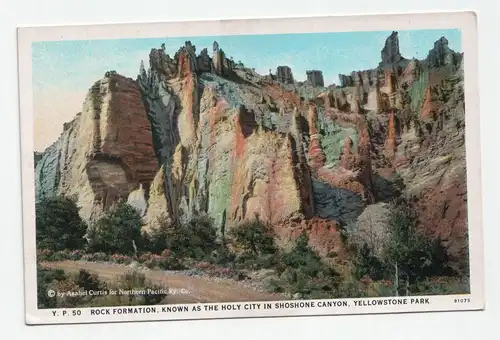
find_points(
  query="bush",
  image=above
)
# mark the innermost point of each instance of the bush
(118, 231)
(59, 256)
(166, 262)
(58, 281)
(254, 242)
(366, 264)
(68, 300)
(156, 240)
(441, 286)
(96, 257)
(58, 224)
(121, 259)
(411, 253)
(46, 278)
(408, 259)
(302, 272)
(134, 280)
(43, 255)
(196, 239)
(89, 281)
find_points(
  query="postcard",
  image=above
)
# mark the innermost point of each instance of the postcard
(251, 168)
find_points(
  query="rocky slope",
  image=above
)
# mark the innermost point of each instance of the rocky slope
(196, 133)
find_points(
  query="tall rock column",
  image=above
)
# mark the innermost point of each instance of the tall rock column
(316, 154)
(284, 75)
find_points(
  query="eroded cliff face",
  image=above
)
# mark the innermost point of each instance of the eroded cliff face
(105, 153)
(198, 134)
(419, 147)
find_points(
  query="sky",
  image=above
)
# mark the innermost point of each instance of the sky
(63, 71)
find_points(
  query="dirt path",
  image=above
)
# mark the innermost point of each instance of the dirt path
(194, 289)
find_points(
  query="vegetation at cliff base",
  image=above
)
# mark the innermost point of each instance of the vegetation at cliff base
(302, 272)
(118, 231)
(255, 244)
(408, 258)
(410, 263)
(85, 282)
(58, 224)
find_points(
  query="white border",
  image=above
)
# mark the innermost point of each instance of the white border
(465, 21)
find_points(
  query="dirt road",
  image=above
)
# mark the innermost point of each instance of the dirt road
(191, 289)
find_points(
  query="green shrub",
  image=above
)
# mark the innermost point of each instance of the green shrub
(134, 280)
(43, 255)
(89, 281)
(156, 241)
(254, 243)
(118, 231)
(302, 272)
(59, 256)
(46, 278)
(411, 253)
(58, 224)
(409, 256)
(366, 264)
(197, 238)
(96, 257)
(121, 259)
(441, 286)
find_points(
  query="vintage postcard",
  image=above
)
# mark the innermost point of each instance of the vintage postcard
(247, 168)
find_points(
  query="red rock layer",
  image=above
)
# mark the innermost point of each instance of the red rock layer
(443, 213)
(341, 178)
(183, 66)
(324, 236)
(125, 131)
(238, 172)
(316, 154)
(427, 110)
(287, 99)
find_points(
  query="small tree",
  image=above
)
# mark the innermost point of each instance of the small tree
(410, 254)
(156, 241)
(89, 281)
(367, 264)
(58, 224)
(118, 231)
(46, 278)
(305, 273)
(253, 237)
(253, 242)
(196, 239)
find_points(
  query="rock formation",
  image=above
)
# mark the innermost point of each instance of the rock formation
(345, 80)
(390, 54)
(105, 153)
(221, 65)
(315, 78)
(284, 75)
(194, 135)
(442, 56)
(204, 61)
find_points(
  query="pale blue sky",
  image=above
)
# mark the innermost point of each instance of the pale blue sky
(64, 70)
(77, 64)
